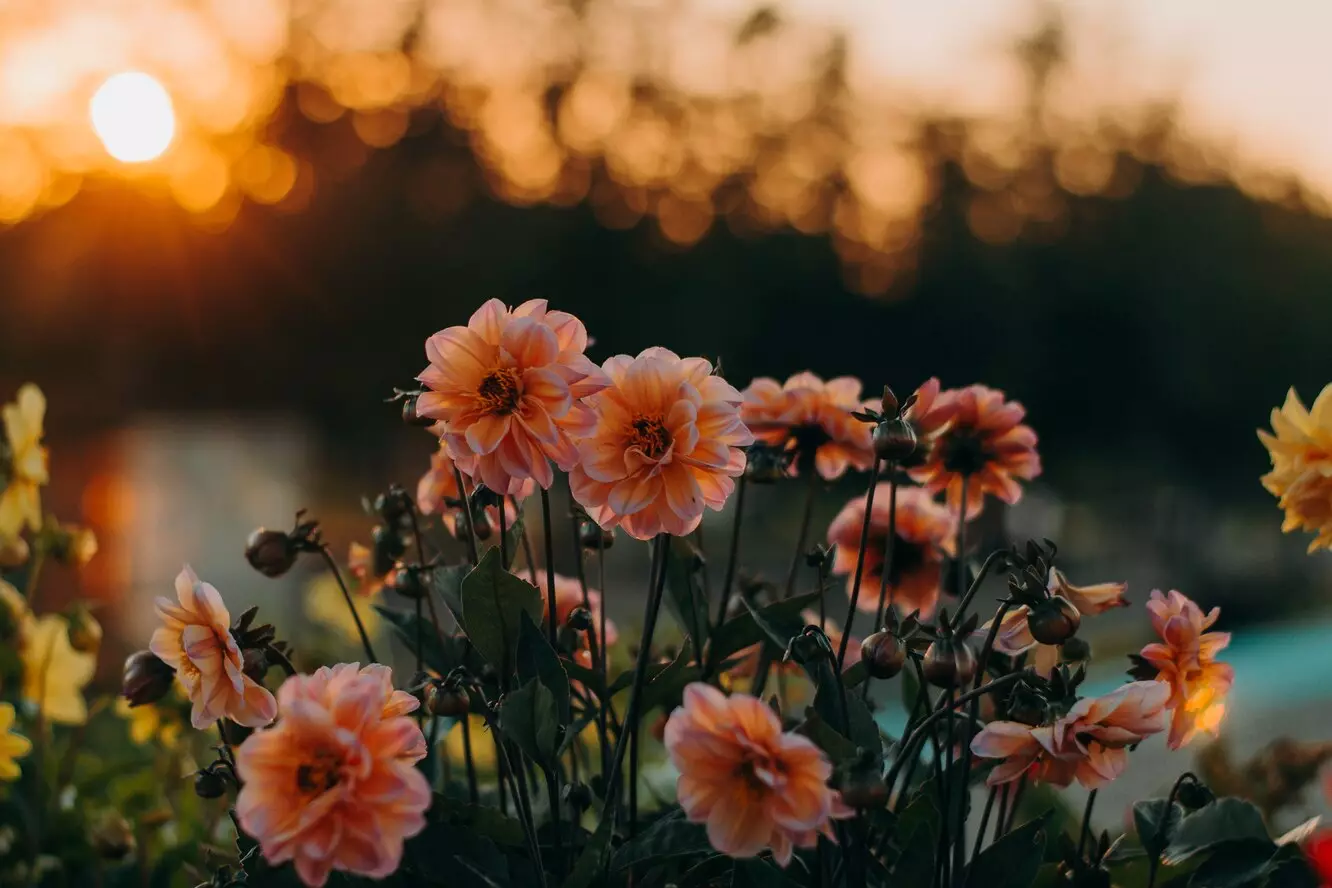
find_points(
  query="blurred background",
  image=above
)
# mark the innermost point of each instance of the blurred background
(227, 227)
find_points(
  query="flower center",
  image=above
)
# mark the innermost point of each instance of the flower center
(320, 773)
(965, 451)
(499, 391)
(761, 776)
(650, 434)
(907, 558)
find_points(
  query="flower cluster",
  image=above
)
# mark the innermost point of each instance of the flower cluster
(1187, 664)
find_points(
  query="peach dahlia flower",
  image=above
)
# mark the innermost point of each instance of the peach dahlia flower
(666, 444)
(1301, 476)
(1088, 744)
(984, 440)
(333, 785)
(195, 640)
(807, 412)
(506, 390)
(924, 534)
(1186, 663)
(753, 785)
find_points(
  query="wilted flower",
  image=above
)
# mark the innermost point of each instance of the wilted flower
(332, 786)
(1301, 476)
(985, 442)
(54, 674)
(12, 746)
(814, 418)
(666, 443)
(753, 785)
(1186, 663)
(924, 534)
(196, 641)
(23, 462)
(1088, 744)
(507, 389)
(1015, 635)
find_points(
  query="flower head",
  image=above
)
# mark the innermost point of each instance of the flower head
(985, 442)
(813, 418)
(1088, 744)
(753, 785)
(54, 673)
(1014, 636)
(12, 746)
(1186, 662)
(332, 786)
(23, 463)
(924, 534)
(507, 390)
(1301, 476)
(195, 640)
(665, 444)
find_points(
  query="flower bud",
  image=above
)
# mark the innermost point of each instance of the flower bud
(14, 552)
(388, 547)
(883, 655)
(446, 701)
(147, 679)
(865, 790)
(1054, 620)
(593, 537)
(894, 440)
(208, 784)
(85, 633)
(579, 619)
(1028, 707)
(393, 506)
(413, 416)
(1194, 795)
(949, 663)
(271, 552)
(73, 546)
(409, 583)
(111, 836)
(578, 796)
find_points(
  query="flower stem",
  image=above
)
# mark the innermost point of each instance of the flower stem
(603, 702)
(551, 628)
(810, 491)
(346, 596)
(657, 581)
(1017, 801)
(1086, 822)
(992, 559)
(467, 507)
(888, 552)
(596, 639)
(860, 566)
(985, 820)
(1003, 812)
(473, 795)
(527, 541)
(1154, 861)
(34, 573)
(733, 555)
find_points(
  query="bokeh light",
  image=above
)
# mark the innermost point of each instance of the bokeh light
(133, 116)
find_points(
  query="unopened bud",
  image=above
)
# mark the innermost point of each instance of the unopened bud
(388, 547)
(85, 633)
(1054, 620)
(883, 655)
(393, 505)
(894, 440)
(578, 796)
(446, 701)
(208, 784)
(409, 583)
(14, 552)
(73, 546)
(1028, 707)
(271, 552)
(890, 404)
(147, 678)
(949, 663)
(579, 619)
(413, 416)
(1194, 795)
(593, 537)
(865, 790)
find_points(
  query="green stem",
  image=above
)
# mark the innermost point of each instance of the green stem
(1086, 823)
(732, 556)
(860, 566)
(810, 490)
(346, 596)
(889, 550)
(552, 629)
(467, 507)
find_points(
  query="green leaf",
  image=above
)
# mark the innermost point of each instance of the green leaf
(587, 871)
(1155, 824)
(538, 660)
(863, 732)
(670, 836)
(529, 718)
(706, 872)
(440, 654)
(1235, 865)
(493, 600)
(1219, 822)
(448, 583)
(684, 587)
(482, 820)
(838, 748)
(742, 631)
(1013, 861)
(779, 627)
(916, 835)
(513, 540)
(667, 686)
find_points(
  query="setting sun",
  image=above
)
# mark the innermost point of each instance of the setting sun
(132, 115)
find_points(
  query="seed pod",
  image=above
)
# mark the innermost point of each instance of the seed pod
(949, 663)
(271, 552)
(1054, 620)
(208, 784)
(883, 655)
(894, 440)
(595, 538)
(147, 678)
(449, 702)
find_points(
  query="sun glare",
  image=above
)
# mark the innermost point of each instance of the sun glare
(132, 114)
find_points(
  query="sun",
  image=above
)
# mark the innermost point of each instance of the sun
(131, 113)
